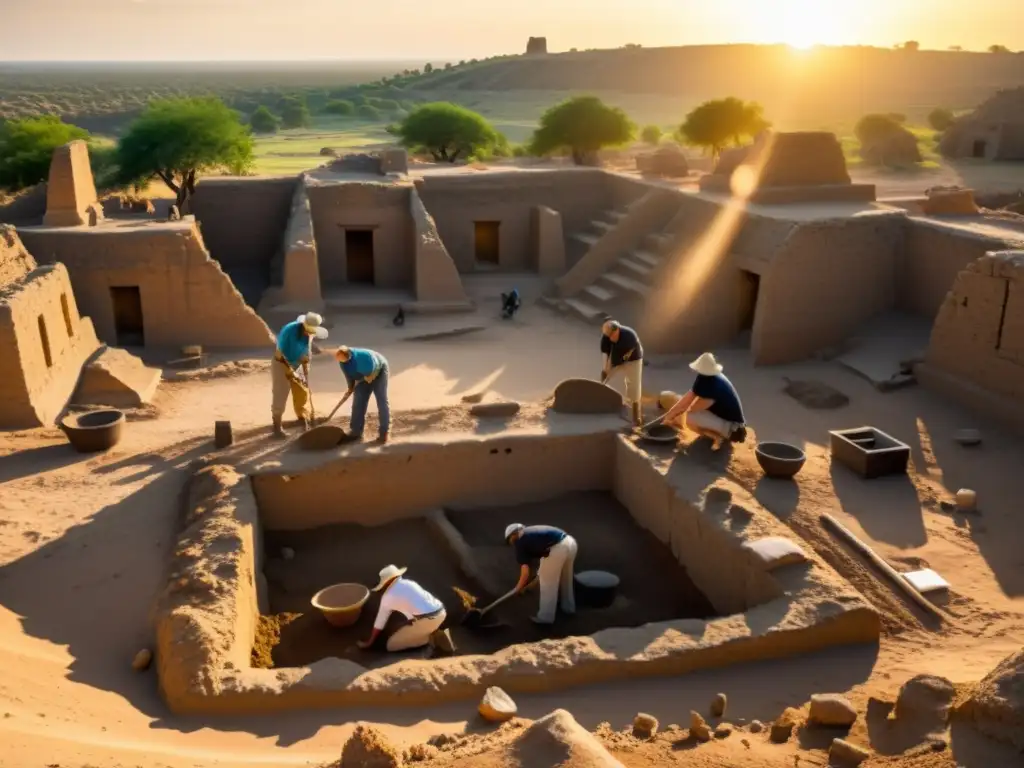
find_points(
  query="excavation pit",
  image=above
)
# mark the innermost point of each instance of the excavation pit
(691, 595)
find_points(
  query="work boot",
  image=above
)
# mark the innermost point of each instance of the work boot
(279, 432)
(382, 438)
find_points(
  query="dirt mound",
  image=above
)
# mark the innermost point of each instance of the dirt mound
(896, 149)
(558, 741)
(116, 378)
(367, 748)
(996, 704)
(586, 396)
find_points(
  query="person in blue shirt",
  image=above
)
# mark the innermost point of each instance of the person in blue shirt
(623, 353)
(366, 372)
(292, 353)
(510, 303)
(553, 551)
(712, 408)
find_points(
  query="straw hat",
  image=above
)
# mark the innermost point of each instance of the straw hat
(706, 365)
(514, 528)
(313, 323)
(388, 574)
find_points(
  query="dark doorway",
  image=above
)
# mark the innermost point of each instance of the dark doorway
(359, 255)
(487, 239)
(128, 325)
(979, 148)
(750, 284)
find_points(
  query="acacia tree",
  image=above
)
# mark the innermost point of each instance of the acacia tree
(651, 134)
(176, 139)
(714, 124)
(447, 131)
(583, 125)
(26, 148)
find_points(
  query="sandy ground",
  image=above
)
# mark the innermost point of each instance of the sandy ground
(83, 542)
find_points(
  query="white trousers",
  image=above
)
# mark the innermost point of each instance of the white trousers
(632, 374)
(555, 575)
(708, 422)
(415, 635)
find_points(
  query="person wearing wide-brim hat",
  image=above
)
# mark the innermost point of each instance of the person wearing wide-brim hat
(293, 351)
(712, 408)
(424, 614)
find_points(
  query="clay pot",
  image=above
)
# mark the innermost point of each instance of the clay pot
(95, 431)
(780, 460)
(341, 604)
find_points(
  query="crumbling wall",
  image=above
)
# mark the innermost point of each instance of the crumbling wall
(549, 241)
(24, 209)
(15, 261)
(382, 207)
(186, 296)
(824, 282)
(933, 254)
(978, 336)
(71, 199)
(437, 279)
(456, 201)
(243, 219)
(297, 271)
(43, 343)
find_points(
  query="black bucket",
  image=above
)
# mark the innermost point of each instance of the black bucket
(596, 589)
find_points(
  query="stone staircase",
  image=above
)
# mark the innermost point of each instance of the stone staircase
(581, 242)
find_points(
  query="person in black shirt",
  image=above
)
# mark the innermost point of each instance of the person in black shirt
(554, 551)
(623, 353)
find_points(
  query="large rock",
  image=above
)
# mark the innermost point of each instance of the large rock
(667, 161)
(116, 378)
(368, 748)
(996, 704)
(925, 697)
(844, 753)
(586, 396)
(557, 741)
(497, 706)
(831, 709)
(495, 410)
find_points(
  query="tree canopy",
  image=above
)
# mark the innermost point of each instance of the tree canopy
(651, 134)
(175, 139)
(342, 107)
(874, 128)
(295, 113)
(714, 124)
(264, 121)
(583, 125)
(447, 131)
(940, 118)
(26, 148)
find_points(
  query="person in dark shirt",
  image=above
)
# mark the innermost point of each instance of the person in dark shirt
(712, 408)
(554, 551)
(510, 303)
(623, 353)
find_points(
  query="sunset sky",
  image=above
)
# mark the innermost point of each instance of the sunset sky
(440, 30)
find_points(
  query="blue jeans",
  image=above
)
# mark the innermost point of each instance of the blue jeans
(361, 401)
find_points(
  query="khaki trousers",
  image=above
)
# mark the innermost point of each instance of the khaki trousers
(284, 382)
(632, 372)
(415, 634)
(555, 574)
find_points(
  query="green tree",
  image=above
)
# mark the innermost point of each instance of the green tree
(263, 120)
(875, 128)
(447, 131)
(369, 112)
(940, 118)
(998, 49)
(583, 125)
(295, 112)
(715, 123)
(342, 107)
(26, 148)
(428, 68)
(651, 134)
(176, 139)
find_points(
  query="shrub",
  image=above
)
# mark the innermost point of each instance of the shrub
(342, 107)
(651, 134)
(940, 118)
(263, 121)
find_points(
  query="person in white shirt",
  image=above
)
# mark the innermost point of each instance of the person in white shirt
(424, 612)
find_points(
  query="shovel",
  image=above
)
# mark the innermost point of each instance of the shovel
(341, 402)
(474, 616)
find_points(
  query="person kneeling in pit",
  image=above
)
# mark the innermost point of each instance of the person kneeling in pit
(424, 614)
(711, 408)
(556, 551)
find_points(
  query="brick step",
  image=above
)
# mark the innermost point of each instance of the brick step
(585, 311)
(636, 269)
(598, 293)
(646, 257)
(626, 284)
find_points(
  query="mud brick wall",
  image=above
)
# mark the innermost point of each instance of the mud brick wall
(186, 296)
(15, 261)
(456, 202)
(243, 220)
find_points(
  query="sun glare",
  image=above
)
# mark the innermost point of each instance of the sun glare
(801, 24)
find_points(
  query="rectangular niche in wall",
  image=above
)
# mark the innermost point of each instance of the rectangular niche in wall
(486, 239)
(359, 256)
(66, 311)
(128, 324)
(44, 339)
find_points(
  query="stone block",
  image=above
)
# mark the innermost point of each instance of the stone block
(71, 199)
(586, 396)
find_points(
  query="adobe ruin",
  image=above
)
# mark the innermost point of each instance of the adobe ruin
(994, 131)
(71, 199)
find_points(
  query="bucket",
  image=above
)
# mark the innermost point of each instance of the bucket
(596, 589)
(341, 604)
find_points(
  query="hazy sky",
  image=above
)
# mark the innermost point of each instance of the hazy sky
(440, 30)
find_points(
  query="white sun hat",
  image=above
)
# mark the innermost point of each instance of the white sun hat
(313, 323)
(388, 573)
(514, 528)
(706, 365)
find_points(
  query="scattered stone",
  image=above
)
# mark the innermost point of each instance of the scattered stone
(845, 753)
(783, 727)
(328, 152)
(723, 730)
(699, 728)
(831, 709)
(497, 706)
(142, 660)
(418, 753)
(287, 553)
(718, 705)
(441, 641)
(586, 396)
(473, 398)
(756, 726)
(745, 743)
(672, 728)
(644, 726)
(947, 506)
(966, 500)
(368, 748)
(495, 410)
(926, 698)
(441, 740)
(968, 437)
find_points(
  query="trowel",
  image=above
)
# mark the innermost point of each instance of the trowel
(474, 616)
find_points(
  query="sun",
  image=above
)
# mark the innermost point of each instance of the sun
(801, 24)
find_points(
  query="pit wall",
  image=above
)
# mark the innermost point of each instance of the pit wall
(976, 351)
(43, 343)
(295, 272)
(549, 236)
(437, 279)
(242, 219)
(457, 201)
(382, 207)
(625, 190)
(186, 296)
(25, 209)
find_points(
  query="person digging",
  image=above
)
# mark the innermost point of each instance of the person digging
(711, 408)
(623, 354)
(366, 372)
(292, 352)
(423, 613)
(554, 551)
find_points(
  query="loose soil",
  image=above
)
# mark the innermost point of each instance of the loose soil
(654, 587)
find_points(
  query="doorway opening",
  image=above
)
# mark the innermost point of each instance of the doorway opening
(359, 256)
(487, 240)
(750, 285)
(979, 148)
(128, 325)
